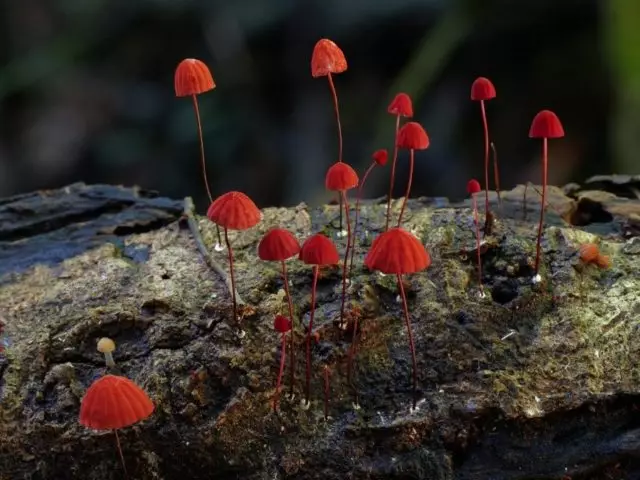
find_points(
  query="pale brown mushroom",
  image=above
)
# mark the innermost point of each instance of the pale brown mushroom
(107, 346)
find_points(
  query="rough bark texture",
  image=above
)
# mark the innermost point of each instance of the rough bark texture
(535, 381)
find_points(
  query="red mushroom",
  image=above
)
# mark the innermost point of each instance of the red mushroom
(400, 106)
(279, 245)
(545, 125)
(379, 158)
(192, 78)
(235, 211)
(114, 402)
(398, 251)
(340, 178)
(317, 250)
(481, 90)
(282, 325)
(473, 187)
(412, 137)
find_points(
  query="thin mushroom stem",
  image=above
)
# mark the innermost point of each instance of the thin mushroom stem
(292, 349)
(410, 333)
(202, 158)
(343, 195)
(307, 388)
(477, 222)
(334, 94)
(408, 192)
(282, 357)
(233, 281)
(108, 358)
(393, 173)
(124, 466)
(355, 222)
(485, 127)
(544, 202)
(496, 172)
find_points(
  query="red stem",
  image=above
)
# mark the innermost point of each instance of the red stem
(307, 390)
(292, 350)
(544, 202)
(326, 392)
(496, 172)
(408, 192)
(355, 223)
(343, 195)
(282, 357)
(475, 219)
(411, 345)
(337, 109)
(486, 156)
(393, 172)
(124, 466)
(233, 281)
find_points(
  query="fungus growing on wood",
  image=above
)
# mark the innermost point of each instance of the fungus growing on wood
(473, 187)
(282, 325)
(113, 402)
(412, 137)
(107, 346)
(398, 251)
(318, 250)
(482, 90)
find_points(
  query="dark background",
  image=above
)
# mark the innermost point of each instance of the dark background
(86, 91)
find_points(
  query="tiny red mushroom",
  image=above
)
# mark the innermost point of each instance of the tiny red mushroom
(398, 251)
(473, 187)
(113, 402)
(412, 137)
(380, 158)
(235, 211)
(482, 90)
(400, 106)
(545, 125)
(279, 245)
(317, 250)
(340, 178)
(282, 325)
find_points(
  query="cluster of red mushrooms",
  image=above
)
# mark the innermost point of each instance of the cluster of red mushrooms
(114, 402)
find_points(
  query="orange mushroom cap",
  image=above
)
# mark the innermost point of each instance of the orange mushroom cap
(341, 176)
(234, 210)
(380, 157)
(319, 250)
(281, 324)
(603, 261)
(327, 58)
(473, 186)
(278, 245)
(401, 105)
(482, 89)
(412, 136)
(114, 402)
(546, 124)
(589, 252)
(192, 77)
(397, 251)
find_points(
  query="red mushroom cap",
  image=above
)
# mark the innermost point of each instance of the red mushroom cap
(278, 245)
(192, 77)
(397, 251)
(327, 58)
(482, 89)
(412, 136)
(114, 402)
(401, 105)
(319, 250)
(473, 186)
(380, 157)
(281, 324)
(341, 176)
(234, 210)
(546, 124)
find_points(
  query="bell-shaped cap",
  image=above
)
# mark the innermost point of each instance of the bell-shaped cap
(546, 124)
(380, 157)
(281, 324)
(327, 58)
(192, 77)
(397, 251)
(114, 402)
(318, 249)
(235, 211)
(401, 105)
(278, 245)
(340, 176)
(482, 89)
(412, 136)
(589, 252)
(473, 186)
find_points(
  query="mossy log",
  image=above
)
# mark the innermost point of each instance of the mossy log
(531, 381)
